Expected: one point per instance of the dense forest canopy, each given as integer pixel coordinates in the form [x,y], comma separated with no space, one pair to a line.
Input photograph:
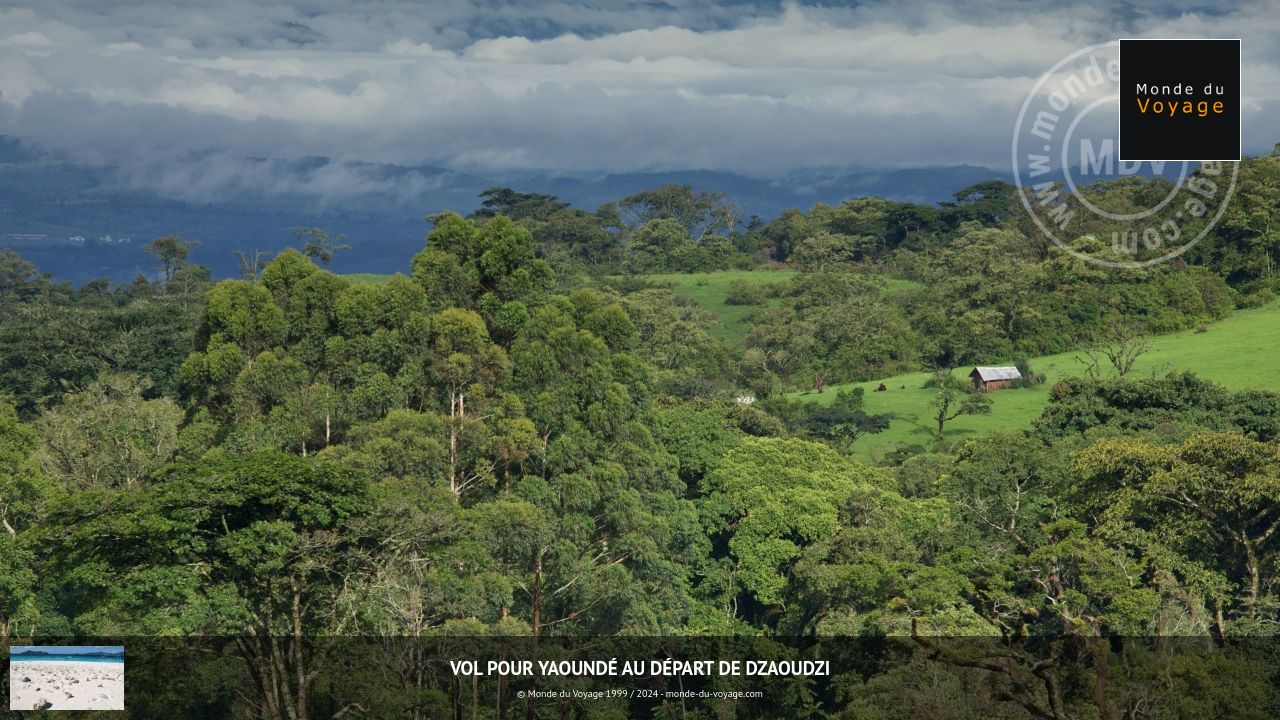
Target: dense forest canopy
[526,434]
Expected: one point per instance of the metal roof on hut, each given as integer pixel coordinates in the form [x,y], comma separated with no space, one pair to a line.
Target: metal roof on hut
[996,373]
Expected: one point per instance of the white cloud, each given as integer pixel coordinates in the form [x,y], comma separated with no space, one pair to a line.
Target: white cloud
[754,88]
[18,77]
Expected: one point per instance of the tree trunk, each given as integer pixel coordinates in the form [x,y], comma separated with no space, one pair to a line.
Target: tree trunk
[1100,648]
[300,668]
[1219,633]
[1251,567]
[457,412]
[457,698]
[536,595]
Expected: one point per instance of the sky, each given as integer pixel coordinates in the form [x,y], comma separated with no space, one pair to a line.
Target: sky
[758,88]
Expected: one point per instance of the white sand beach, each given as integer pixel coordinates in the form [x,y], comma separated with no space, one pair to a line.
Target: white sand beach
[66,685]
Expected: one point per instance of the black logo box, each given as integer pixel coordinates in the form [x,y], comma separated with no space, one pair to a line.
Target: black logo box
[1180,64]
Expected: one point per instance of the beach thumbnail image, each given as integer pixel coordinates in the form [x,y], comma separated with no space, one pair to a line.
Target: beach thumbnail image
[58,677]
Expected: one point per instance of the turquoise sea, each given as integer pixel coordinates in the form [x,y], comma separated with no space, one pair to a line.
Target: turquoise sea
[67,658]
[67,653]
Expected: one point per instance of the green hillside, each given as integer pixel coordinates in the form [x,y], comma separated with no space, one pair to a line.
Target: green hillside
[709,290]
[1238,352]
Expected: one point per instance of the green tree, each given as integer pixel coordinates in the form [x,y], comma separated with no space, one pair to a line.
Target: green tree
[18,586]
[108,435]
[1122,342]
[466,364]
[171,251]
[697,212]
[1174,401]
[579,235]
[246,314]
[951,401]
[844,421]
[825,251]
[1210,502]
[269,548]
[406,444]
[517,205]
[24,490]
[611,543]
[769,498]
[318,244]
[987,202]
[1038,576]
[51,344]
[655,245]
[19,279]
[1245,244]
[879,573]
[467,266]
[673,335]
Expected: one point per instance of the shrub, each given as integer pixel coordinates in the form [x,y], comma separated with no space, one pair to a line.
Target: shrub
[743,293]
[1255,299]
[1030,378]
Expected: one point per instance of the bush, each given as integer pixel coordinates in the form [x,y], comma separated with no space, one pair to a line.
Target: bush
[952,380]
[743,293]
[1030,378]
[1255,299]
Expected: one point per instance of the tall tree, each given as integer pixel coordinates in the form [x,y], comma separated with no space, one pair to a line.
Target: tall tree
[465,265]
[19,279]
[108,435]
[23,488]
[1122,342]
[770,498]
[171,251]
[268,548]
[517,205]
[246,314]
[954,400]
[467,365]
[698,212]
[1212,501]
[318,244]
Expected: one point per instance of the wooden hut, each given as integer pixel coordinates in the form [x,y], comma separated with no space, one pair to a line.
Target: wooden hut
[986,379]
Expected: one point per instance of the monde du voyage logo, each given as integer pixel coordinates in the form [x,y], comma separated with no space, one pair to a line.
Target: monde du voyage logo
[1165,110]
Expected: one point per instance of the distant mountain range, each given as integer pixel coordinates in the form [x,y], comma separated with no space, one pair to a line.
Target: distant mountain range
[39,653]
[81,221]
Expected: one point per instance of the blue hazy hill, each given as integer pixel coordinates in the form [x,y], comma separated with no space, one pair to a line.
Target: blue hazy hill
[81,221]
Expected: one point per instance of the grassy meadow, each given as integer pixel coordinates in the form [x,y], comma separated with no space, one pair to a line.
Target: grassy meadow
[709,290]
[1242,351]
